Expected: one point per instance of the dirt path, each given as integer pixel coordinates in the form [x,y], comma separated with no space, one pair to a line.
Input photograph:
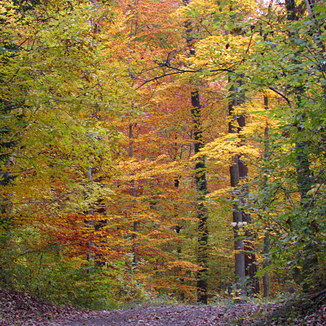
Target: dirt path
[21,309]
[210,315]
[251,314]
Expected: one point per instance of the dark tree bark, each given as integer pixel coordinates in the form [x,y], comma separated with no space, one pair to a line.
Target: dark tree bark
[240,269]
[202,212]
[133,192]
[266,251]
[200,182]
[245,259]
[178,229]
[7,146]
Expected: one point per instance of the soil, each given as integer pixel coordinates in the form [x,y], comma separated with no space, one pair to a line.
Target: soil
[17,308]
[171,316]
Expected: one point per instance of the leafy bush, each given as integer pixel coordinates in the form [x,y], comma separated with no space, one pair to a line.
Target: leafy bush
[48,274]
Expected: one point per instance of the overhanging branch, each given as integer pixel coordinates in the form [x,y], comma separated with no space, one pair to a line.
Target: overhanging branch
[281,94]
[181,71]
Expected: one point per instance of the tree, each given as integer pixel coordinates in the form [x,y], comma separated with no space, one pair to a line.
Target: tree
[123,125]
[293,83]
[54,84]
[227,57]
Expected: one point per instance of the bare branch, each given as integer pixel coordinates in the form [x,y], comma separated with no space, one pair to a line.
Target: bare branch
[282,95]
[180,71]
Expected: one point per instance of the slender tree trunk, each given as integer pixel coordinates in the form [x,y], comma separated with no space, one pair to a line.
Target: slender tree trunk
[133,192]
[245,259]
[202,212]
[266,263]
[266,251]
[240,269]
[304,174]
[6,177]
[200,183]
[303,166]
[178,229]
[250,261]
[90,223]
[252,285]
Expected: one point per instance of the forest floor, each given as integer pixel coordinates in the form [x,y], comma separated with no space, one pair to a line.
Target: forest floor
[17,308]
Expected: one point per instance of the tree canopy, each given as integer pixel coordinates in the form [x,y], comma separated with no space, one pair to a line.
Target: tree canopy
[162,148]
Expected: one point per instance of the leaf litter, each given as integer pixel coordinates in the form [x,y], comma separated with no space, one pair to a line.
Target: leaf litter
[18,308]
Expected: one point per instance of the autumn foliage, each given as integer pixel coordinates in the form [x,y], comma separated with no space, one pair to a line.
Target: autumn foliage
[99,148]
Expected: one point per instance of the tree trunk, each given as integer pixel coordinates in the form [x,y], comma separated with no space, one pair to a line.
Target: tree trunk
[90,223]
[304,174]
[266,251]
[245,259]
[133,192]
[266,263]
[240,269]
[178,229]
[200,183]
[202,213]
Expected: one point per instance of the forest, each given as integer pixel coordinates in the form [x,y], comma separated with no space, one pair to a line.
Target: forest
[170,149]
